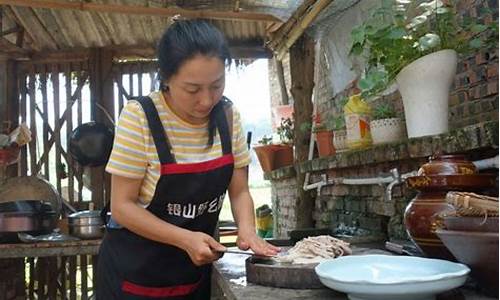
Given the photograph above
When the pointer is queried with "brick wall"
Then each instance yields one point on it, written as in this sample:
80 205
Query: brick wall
283 202
365 207
473 96
473 99
12 279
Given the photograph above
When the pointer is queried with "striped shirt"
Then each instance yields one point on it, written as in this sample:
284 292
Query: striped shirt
134 153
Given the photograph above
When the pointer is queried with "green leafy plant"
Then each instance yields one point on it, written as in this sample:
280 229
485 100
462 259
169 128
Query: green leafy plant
399 32
265 140
285 130
339 122
383 111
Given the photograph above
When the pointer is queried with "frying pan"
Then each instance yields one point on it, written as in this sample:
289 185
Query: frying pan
90 144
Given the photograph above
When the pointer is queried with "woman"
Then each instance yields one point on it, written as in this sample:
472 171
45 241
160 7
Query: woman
175 154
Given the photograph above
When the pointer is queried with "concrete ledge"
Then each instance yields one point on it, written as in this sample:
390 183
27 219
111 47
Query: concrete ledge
482 135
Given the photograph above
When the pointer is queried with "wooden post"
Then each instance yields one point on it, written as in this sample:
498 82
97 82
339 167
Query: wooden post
102 98
9 112
281 80
302 74
9 105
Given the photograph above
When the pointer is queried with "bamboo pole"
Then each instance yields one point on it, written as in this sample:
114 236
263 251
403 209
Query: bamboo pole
285 28
298 30
142 10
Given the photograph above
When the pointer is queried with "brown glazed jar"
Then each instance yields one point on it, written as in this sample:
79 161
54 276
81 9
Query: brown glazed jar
447 165
436 178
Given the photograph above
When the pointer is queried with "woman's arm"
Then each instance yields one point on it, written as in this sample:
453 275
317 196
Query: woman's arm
125 209
243 213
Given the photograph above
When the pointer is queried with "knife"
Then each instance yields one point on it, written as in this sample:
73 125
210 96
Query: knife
401 249
246 253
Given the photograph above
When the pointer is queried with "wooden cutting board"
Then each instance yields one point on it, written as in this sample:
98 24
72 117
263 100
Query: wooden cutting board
271 273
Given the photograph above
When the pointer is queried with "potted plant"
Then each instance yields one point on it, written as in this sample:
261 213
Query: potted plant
339 133
276 155
385 127
324 137
416 44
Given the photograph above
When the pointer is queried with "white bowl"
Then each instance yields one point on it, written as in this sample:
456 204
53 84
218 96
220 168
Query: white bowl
386 277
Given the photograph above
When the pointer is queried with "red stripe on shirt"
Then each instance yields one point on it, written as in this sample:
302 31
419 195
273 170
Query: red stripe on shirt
155 292
200 167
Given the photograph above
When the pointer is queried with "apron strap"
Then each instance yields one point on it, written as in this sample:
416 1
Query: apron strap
157 131
225 126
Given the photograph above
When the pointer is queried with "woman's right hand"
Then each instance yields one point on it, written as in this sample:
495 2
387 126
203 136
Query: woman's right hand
202 248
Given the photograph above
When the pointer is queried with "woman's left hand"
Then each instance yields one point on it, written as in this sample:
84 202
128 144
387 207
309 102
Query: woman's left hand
250 240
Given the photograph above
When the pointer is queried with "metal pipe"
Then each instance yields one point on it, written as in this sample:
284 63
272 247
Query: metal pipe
391 181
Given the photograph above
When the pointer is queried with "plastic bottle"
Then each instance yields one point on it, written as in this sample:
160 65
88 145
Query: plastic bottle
357 115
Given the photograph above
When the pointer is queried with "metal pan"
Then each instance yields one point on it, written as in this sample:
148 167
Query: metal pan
90 144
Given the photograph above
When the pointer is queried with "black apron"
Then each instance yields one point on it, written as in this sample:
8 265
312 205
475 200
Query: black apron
131 267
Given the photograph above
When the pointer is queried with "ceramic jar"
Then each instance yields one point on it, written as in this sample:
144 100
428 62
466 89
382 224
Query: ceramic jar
422 215
447 165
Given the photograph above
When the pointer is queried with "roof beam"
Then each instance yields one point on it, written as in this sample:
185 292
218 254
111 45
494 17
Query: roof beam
143 10
12 49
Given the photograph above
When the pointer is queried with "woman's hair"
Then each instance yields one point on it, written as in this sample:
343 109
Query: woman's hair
182 41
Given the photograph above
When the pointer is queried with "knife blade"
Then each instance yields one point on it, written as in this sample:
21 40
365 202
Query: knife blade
246 253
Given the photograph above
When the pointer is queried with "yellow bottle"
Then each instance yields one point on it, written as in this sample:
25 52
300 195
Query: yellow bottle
357 120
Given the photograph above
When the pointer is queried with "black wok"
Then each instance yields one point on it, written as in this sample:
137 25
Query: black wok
90 144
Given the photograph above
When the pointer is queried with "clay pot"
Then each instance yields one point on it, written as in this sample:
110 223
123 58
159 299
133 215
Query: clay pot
479 251
272 157
324 140
447 165
422 215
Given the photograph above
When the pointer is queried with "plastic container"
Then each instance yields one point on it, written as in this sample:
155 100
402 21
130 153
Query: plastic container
357 119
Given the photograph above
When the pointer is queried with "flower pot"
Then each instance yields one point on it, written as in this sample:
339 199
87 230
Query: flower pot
387 130
324 140
424 85
340 140
272 157
283 156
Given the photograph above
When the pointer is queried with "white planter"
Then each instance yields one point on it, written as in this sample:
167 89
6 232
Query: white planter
424 85
340 140
387 130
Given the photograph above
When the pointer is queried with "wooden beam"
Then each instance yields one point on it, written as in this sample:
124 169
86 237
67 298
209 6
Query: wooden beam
7 47
20 38
142 10
300 27
10 30
240 50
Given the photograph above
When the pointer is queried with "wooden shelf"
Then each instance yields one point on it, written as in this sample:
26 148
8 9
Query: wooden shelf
46 249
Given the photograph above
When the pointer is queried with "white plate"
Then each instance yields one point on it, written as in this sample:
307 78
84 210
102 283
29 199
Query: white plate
386 277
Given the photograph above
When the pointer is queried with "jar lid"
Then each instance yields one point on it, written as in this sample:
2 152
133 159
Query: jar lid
447 165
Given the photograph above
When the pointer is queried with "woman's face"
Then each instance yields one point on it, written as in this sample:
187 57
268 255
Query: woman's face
196 88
